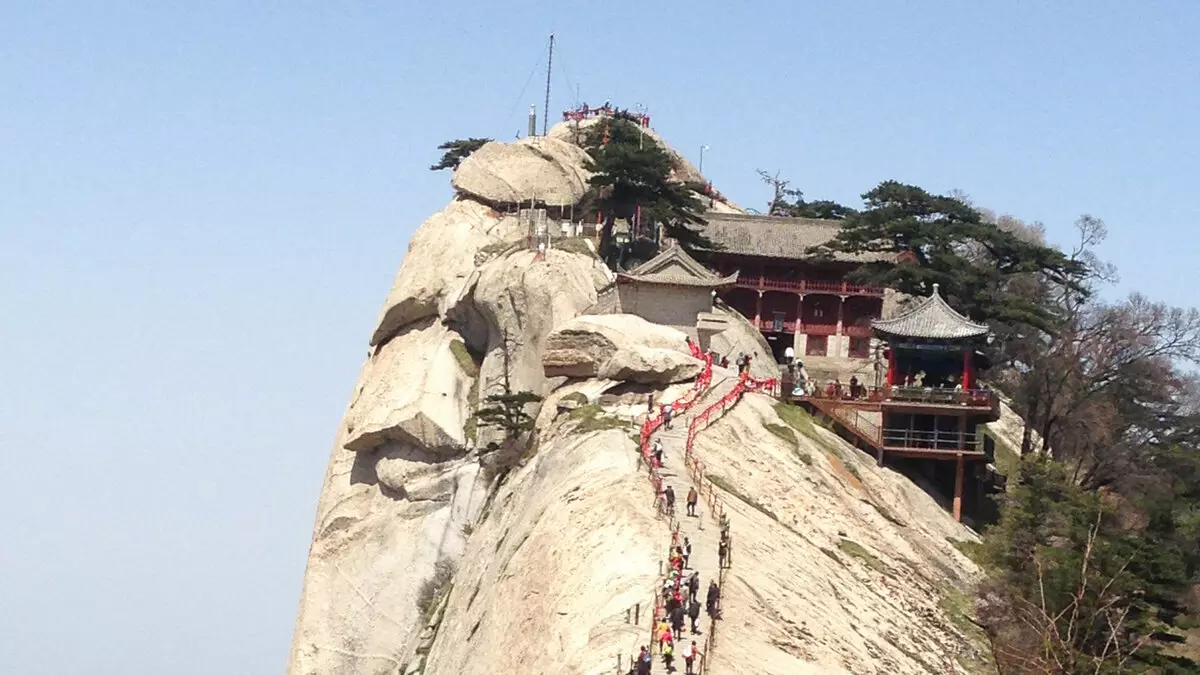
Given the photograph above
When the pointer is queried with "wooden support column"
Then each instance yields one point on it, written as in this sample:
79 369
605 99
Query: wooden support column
758 311
958 488
891 367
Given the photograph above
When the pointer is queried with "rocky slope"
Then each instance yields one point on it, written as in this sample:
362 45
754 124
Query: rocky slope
839 566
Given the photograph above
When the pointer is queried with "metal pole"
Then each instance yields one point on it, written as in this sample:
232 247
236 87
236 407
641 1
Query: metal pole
702 149
546 109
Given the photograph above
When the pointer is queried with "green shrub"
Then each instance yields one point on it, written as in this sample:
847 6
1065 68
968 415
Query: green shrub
434 589
856 550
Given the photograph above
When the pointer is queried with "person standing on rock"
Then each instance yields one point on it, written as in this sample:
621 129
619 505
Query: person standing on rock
670 492
693 498
650 403
668 413
686 550
658 452
694 584
722 552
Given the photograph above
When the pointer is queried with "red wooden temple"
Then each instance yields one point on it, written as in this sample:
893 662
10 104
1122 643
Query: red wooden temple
795 298
931 404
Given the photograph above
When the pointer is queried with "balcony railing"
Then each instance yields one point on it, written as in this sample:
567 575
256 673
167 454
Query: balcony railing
942 441
971 398
767 283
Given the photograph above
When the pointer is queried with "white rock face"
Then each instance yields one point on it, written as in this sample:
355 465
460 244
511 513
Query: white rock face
838 566
440 256
385 518
619 347
419 398
742 337
543 169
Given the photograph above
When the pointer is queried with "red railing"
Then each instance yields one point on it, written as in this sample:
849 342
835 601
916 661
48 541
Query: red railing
767 283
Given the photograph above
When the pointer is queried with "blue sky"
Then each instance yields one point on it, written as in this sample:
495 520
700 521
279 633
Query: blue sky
202 206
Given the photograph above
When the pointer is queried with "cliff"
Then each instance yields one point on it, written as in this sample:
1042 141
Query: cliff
423 562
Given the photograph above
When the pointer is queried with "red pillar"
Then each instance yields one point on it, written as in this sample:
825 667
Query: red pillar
891 373
968 366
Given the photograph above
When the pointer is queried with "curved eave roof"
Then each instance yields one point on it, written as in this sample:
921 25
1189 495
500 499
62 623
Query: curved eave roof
932 319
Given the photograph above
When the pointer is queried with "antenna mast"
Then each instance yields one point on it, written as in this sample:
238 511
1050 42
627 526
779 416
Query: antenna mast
546 108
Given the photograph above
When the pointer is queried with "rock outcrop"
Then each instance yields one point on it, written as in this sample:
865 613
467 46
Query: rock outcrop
535 168
440 256
839 566
619 347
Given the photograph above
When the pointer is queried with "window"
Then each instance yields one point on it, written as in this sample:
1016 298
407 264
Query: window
777 322
817 345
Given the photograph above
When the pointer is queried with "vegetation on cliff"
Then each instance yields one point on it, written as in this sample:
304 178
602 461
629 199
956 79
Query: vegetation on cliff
631 171
1097 550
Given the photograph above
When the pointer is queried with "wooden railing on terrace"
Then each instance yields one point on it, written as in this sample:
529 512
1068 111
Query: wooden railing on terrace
971 398
768 283
940 441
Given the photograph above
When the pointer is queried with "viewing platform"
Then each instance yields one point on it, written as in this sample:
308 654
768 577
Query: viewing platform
773 283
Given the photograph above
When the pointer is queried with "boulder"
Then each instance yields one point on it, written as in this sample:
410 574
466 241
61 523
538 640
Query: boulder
512 304
650 365
538 168
440 256
620 347
414 391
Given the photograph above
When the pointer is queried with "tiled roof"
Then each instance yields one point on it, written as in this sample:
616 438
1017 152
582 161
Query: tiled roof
776 236
932 318
675 267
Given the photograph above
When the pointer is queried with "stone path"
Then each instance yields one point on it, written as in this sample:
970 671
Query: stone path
703 530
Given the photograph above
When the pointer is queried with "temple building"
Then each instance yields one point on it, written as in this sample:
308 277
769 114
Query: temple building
673 289
931 405
794 298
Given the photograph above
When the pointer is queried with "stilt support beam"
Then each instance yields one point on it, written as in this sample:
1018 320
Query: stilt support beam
958 488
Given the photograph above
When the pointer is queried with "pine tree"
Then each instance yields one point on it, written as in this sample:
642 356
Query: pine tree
630 170
456 151
507 411
936 239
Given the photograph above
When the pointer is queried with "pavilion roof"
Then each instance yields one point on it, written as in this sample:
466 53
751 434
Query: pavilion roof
932 318
776 236
673 266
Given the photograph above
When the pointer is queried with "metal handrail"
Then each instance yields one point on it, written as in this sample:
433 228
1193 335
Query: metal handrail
929 440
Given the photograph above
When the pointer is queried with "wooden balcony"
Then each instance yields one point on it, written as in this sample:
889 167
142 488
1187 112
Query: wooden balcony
925 400
764 283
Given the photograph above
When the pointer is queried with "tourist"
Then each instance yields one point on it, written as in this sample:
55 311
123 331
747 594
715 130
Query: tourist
664 633
668 652
668 413
689 658
658 452
694 614
694 584
670 492
693 498
650 403
713 601
854 388
644 661
724 361
687 551
678 615
722 551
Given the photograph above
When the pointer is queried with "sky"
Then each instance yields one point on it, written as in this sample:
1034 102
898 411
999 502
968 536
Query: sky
202 206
